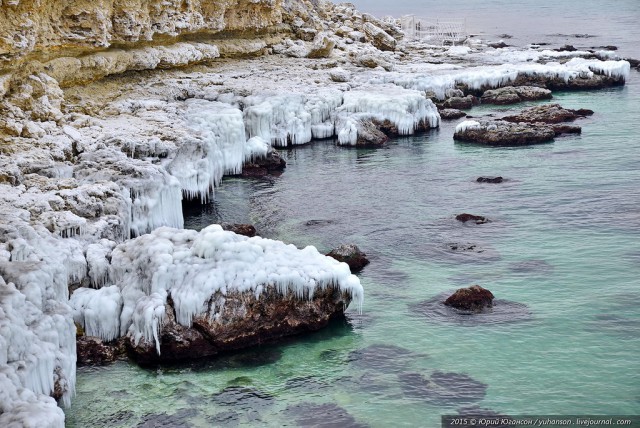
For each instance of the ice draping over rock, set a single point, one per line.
(407, 110)
(487, 77)
(293, 118)
(191, 267)
(37, 334)
(467, 124)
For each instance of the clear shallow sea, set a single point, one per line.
(563, 241)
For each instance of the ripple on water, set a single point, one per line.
(503, 311)
(443, 389)
(322, 415)
(532, 267)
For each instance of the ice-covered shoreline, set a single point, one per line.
(84, 168)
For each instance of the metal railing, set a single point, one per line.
(436, 32)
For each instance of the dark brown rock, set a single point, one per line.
(245, 322)
(474, 298)
(92, 351)
(477, 219)
(548, 113)
(241, 229)
(272, 164)
(566, 48)
(499, 45)
(489, 180)
(567, 129)
(501, 133)
(351, 255)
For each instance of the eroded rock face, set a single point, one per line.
(515, 94)
(351, 255)
(244, 322)
(474, 298)
(451, 113)
(92, 351)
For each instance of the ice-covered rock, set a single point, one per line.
(189, 270)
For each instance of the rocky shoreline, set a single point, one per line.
(104, 129)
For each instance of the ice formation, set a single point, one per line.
(467, 124)
(191, 267)
(487, 77)
(406, 109)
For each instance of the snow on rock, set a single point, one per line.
(190, 267)
(155, 195)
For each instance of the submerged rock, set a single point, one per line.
(477, 219)
(444, 389)
(386, 358)
(494, 180)
(515, 94)
(474, 298)
(351, 255)
(322, 415)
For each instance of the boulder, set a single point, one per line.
(451, 113)
(351, 255)
(502, 133)
(369, 135)
(515, 94)
(548, 113)
(474, 299)
(477, 219)
(460, 103)
(272, 164)
(322, 46)
(245, 322)
(240, 229)
(379, 38)
(494, 180)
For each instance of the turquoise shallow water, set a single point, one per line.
(563, 241)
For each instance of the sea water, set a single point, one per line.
(561, 249)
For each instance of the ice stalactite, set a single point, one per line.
(98, 311)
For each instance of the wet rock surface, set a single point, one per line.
(245, 322)
(351, 255)
(501, 312)
(93, 351)
(474, 298)
(494, 180)
(477, 219)
(548, 113)
(272, 164)
(241, 229)
(515, 94)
